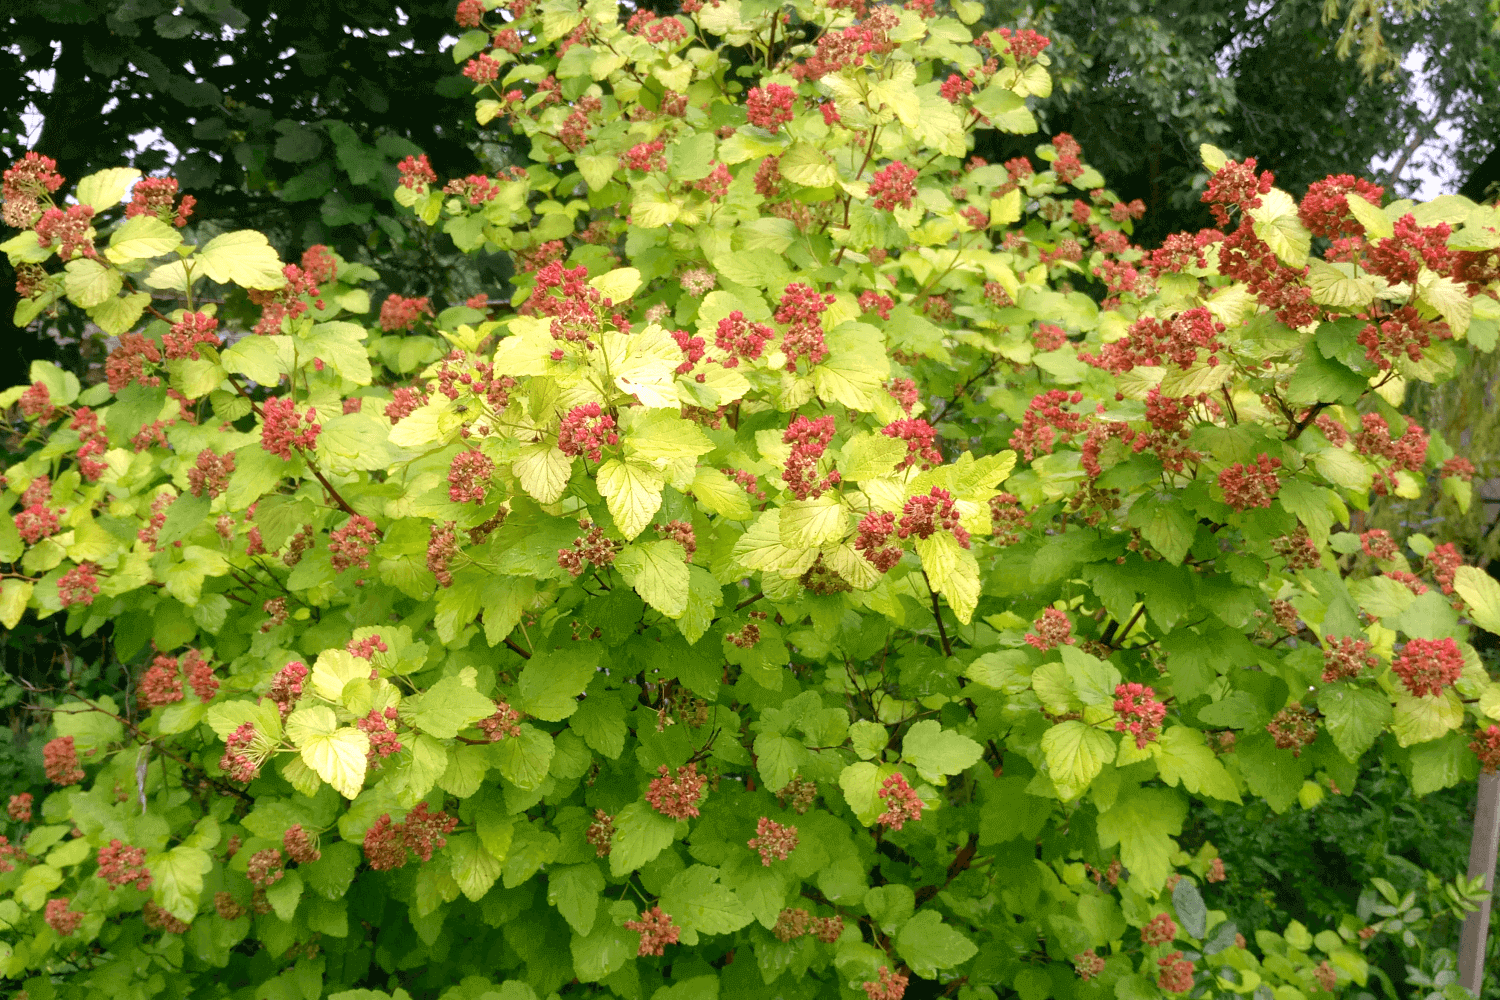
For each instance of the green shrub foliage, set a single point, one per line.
(801, 588)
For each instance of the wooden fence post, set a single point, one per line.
(1482, 850)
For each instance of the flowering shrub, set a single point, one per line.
(418, 702)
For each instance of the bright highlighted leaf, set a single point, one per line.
(936, 752)
(339, 759)
(243, 257)
(1076, 753)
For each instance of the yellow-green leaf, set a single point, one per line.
(141, 237)
(632, 492)
(659, 573)
(106, 189)
(1481, 593)
(339, 759)
(243, 257)
(90, 283)
(1076, 753)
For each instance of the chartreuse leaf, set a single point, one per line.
(633, 493)
(1143, 822)
(659, 573)
(1482, 594)
(243, 257)
(698, 903)
(339, 759)
(1076, 753)
(1185, 758)
(447, 707)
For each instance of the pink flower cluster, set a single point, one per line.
(210, 473)
(1345, 658)
(924, 514)
(60, 762)
(505, 723)
(235, 762)
(120, 864)
(773, 840)
(741, 339)
(887, 986)
(389, 845)
(656, 930)
(1246, 486)
(894, 186)
(378, 725)
(1051, 630)
(591, 547)
(1427, 666)
(1325, 208)
(79, 585)
(284, 429)
(1159, 930)
(399, 313)
(677, 797)
(1045, 420)
(192, 329)
(919, 436)
(1140, 713)
(69, 229)
(902, 804)
(770, 106)
(801, 309)
(469, 477)
(809, 439)
(156, 196)
(586, 430)
(350, 544)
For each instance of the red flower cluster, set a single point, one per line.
(155, 196)
(1051, 630)
(1344, 658)
(1458, 466)
(300, 846)
(872, 301)
(677, 797)
(1088, 965)
(19, 808)
(770, 106)
(902, 804)
(469, 477)
(1246, 486)
(1486, 746)
(1159, 930)
(646, 157)
(159, 685)
(893, 186)
(955, 87)
(890, 985)
(592, 547)
(919, 436)
(1400, 258)
(1140, 713)
(1404, 332)
(120, 864)
(350, 544)
(1427, 666)
(809, 439)
(1023, 44)
(37, 522)
(61, 919)
(586, 430)
(656, 930)
(1153, 342)
(505, 723)
(742, 339)
(1293, 728)
(873, 532)
(773, 840)
(1445, 561)
(79, 585)
(235, 762)
(1378, 544)
(69, 229)
(265, 868)
(600, 833)
(923, 515)
(1068, 166)
(1045, 419)
(210, 473)
(383, 740)
(192, 329)
(801, 309)
(1325, 207)
(60, 761)
(25, 183)
(1236, 185)
(389, 845)
(284, 429)
(399, 313)
(1176, 973)
(286, 686)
